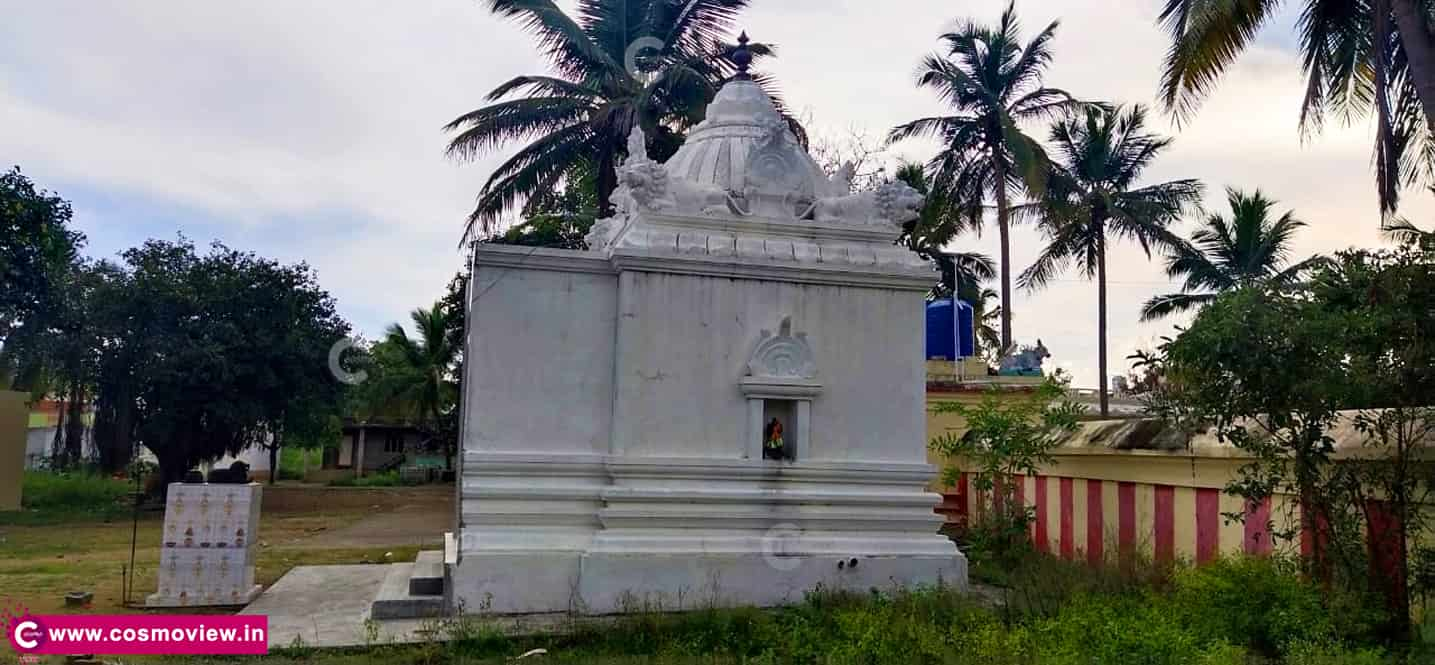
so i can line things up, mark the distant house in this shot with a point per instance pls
(369, 446)
(45, 421)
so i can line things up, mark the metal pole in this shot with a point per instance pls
(135, 522)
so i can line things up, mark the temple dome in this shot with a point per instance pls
(717, 149)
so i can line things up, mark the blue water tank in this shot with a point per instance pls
(966, 330)
(941, 326)
(949, 330)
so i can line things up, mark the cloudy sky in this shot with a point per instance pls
(311, 130)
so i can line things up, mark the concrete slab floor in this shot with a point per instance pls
(328, 606)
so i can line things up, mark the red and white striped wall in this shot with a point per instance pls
(1084, 518)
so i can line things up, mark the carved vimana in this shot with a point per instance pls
(742, 162)
(718, 402)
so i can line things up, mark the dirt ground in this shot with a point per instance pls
(39, 564)
(419, 526)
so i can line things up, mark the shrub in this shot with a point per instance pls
(1119, 629)
(1040, 584)
(1260, 603)
(1328, 653)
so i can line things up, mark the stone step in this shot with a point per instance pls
(427, 578)
(395, 602)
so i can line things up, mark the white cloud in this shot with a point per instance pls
(311, 130)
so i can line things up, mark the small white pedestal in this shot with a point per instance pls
(207, 552)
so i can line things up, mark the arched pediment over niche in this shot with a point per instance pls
(782, 356)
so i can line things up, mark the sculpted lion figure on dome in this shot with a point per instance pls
(687, 197)
(644, 182)
(890, 203)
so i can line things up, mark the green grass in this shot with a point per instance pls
(49, 498)
(40, 563)
(1233, 612)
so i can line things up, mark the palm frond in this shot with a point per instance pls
(1206, 37)
(493, 126)
(536, 167)
(1064, 245)
(564, 42)
(544, 86)
(700, 25)
(1163, 306)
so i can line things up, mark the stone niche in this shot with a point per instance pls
(780, 384)
(617, 398)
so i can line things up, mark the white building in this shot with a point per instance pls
(618, 399)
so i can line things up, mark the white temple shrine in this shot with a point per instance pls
(720, 402)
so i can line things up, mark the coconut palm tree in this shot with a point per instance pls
(992, 82)
(617, 63)
(421, 378)
(1355, 56)
(1092, 197)
(1247, 249)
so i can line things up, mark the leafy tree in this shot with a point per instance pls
(1269, 371)
(1388, 299)
(206, 355)
(71, 352)
(1247, 249)
(454, 304)
(455, 307)
(1355, 56)
(993, 84)
(559, 218)
(1092, 193)
(37, 250)
(617, 64)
